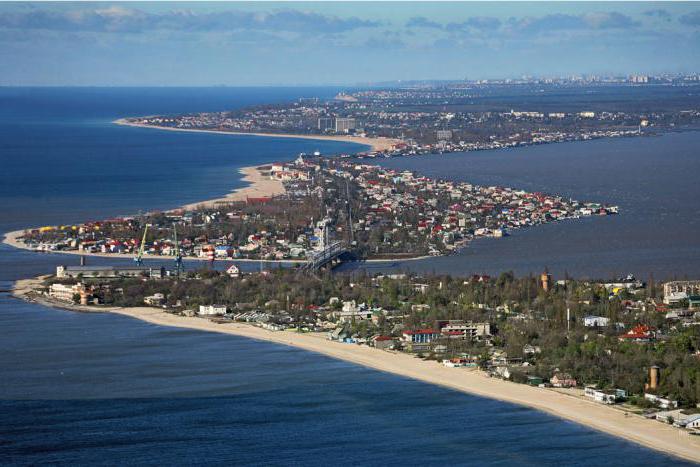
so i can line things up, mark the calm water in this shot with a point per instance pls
(652, 179)
(96, 389)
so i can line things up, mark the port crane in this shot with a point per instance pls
(179, 267)
(139, 256)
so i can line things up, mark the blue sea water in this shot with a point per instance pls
(102, 389)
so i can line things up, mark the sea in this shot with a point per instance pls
(100, 389)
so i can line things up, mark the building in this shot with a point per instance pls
(662, 402)
(676, 291)
(109, 272)
(212, 310)
(465, 330)
(344, 125)
(68, 293)
(653, 378)
(63, 292)
(604, 397)
(325, 123)
(546, 280)
(157, 299)
(691, 421)
(419, 340)
(444, 135)
(233, 271)
(595, 321)
(563, 380)
(383, 342)
(639, 333)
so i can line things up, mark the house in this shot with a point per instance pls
(534, 381)
(157, 299)
(693, 301)
(233, 271)
(465, 330)
(419, 340)
(212, 310)
(420, 336)
(595, 321)
(662, 402)
(604, 397)
(691, 421)
(639, 333)
(563, 380)
(341, 334)
(383, 342)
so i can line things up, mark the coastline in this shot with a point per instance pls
(376, 144)
(648, 433)
(258, 186)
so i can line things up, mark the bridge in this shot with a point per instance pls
(321, 258)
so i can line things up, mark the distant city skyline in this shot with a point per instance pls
(339, 43)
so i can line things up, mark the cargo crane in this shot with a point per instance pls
(139, 256)
(179, 267)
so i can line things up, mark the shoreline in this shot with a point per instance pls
(258, 186)
(378, 144)
(560, 403)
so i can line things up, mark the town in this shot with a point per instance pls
(625, 343)
(375, 213)
(429, 118)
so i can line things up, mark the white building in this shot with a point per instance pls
(662, 402)
(595, 321)
(156, 299)
(676, 291)
(63, 292)
(600, 396)
(344, 125)
(212, 310)
(233, 271)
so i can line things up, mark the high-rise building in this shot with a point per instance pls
(344, 125)
(325, 123)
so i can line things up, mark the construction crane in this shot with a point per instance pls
(139, 255)
(179, 267)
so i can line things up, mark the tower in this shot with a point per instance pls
(653, 378)
(546, 280)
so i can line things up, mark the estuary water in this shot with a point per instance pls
(102, 389)
(652, 179)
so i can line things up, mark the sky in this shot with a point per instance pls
(338, 43)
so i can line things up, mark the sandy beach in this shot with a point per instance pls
(258, 186)
(649, 433)
(377, 144)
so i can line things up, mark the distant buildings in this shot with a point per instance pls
(109, 272)
(444, 135)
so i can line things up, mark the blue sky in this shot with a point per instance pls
(269, 43)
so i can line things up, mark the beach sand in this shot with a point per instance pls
(259, 186)
(649, 433)
(377, 144)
